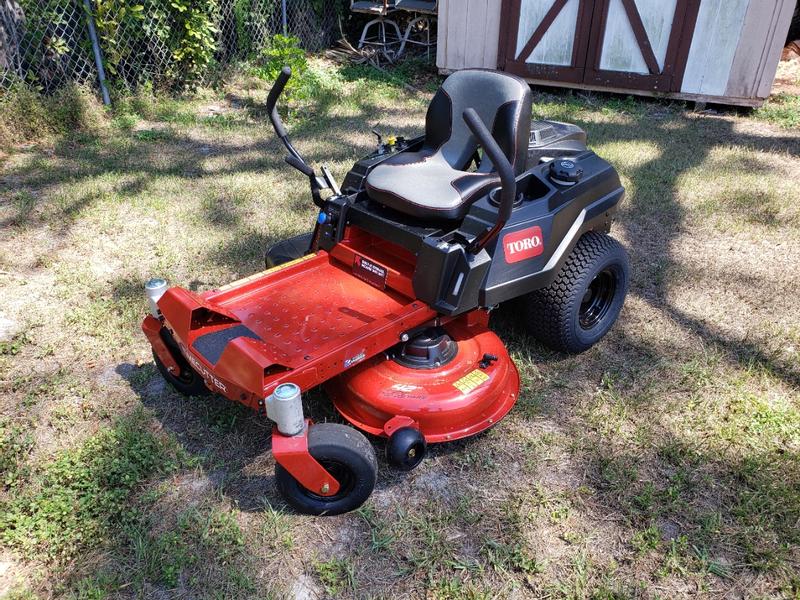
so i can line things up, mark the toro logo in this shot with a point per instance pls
(523, 244)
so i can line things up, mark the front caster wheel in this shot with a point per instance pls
(348, 456)
(583, 302)
(406, 448)
(188, 381)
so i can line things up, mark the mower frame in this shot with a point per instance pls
(385, 276)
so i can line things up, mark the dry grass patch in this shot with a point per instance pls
(661, 464)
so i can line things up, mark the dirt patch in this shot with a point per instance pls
(787, 77)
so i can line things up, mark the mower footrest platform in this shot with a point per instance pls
(303, 322)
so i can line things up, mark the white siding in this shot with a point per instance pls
(716, 36)
(468, 32)
(765, 29)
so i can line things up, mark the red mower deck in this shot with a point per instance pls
(457, 400)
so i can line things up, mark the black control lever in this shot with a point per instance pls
(508, 181)
(274, 117)
(295, 159)
(300, 166)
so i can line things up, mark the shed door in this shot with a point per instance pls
(635, 43)
(551, 39)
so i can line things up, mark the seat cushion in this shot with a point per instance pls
(426, 6)
(425, 186)
(364, 6)
(433, 182)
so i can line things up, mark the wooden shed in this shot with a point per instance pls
(723, 51)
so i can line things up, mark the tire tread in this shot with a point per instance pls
(549, 311)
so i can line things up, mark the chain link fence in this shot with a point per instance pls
(169, 43)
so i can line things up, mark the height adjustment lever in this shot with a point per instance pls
(328, 177)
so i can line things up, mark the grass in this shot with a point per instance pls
(74, 500)
(661, 464)
(784, 109)
(25, 115)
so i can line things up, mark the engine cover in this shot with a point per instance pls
(469, 393)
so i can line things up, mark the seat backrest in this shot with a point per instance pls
(504, 103)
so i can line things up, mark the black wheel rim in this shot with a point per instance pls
(597, 299)
(341, 473)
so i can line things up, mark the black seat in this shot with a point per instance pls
(433, 183)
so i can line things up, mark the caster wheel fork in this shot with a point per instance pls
(343, 459)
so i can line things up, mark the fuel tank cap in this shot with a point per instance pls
(565, 171)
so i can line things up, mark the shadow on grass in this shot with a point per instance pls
(745, 508)
(748, 506)
(141, 157)
(723, 504)
(228, 438)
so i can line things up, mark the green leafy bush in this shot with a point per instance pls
(134, 32)
(250, 18)
(116, 20)
(47, 42)
(194, 51)
(280, 52)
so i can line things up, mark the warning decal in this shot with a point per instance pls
(470, 381)
(371, 272)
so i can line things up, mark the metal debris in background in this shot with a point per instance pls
(344, 51)
(377, 56)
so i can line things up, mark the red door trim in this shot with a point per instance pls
(509, 30)
(642, 38)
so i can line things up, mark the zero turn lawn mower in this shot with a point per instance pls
(386, 304)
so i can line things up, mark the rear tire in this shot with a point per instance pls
(583, 302)
(188, 381)
(347, 455)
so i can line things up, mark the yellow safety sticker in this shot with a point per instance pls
(280, 267)
(470, 381)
